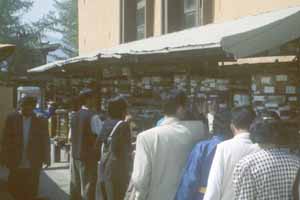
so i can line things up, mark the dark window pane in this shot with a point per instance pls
(140, 18)
(190, 5)
(190, 19)
(190, 13)
(141, 32)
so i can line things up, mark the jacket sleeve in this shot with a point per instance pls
(191, 177)
(46, 141)
(214, 184)
(5, 141)
(141, 175)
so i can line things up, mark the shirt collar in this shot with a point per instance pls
(169, 120)
(83, 107)
(242, 135)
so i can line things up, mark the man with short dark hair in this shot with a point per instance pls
(115, 163)
(161, 152)
(229, 153)
(85, 126)
(270, 172)
(25, 148)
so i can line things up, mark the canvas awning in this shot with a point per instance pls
(6, 50)
(239, 38)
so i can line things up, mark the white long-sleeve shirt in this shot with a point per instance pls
(228, 153)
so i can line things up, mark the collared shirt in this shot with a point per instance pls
(228, 154)
(26, 134)
(161, 154)
(268, 174)
(96, 123)
(160, 121)
(194, 179)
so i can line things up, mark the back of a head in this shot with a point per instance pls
(242, 117)
(172, 102)
(86, 95)
(221, 123)
(117, 108)
(28, 101)
(265, 131)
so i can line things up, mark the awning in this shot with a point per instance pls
(239, 38)
(6, 50)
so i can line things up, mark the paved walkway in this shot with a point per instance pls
(54, 182)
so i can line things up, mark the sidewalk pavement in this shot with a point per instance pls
(54, 181)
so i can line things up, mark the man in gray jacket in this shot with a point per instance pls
(161, 152)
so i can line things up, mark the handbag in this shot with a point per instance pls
(107, 156)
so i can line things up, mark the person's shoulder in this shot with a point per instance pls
(226, 143)
(192, 124)
(251, 158)
(13, 114)
(148, 133)
(290, 157)
(152, 134)
(204, 143)
(40, 118)
(123, 126)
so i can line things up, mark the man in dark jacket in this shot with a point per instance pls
(114, 169)
(25, 148)
(85, 126)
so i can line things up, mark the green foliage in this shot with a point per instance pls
(65, 22)
(11, 28)
(25, 36)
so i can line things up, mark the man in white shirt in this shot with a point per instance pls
(161, 152)
(228, 153)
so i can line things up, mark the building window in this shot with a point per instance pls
(137, 19)
(141, 19)
(191, 12)
(182, 14)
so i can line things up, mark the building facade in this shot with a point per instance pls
(104, 24)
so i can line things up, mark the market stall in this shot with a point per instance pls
(202, 61)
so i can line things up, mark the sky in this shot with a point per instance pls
(38, 10)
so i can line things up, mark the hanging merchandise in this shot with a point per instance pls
(276, 92)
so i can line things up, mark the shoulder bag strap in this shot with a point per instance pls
(111, 134)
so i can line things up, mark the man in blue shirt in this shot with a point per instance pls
(194, 180)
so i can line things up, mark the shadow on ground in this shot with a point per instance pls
(54, 183)
(50, 189)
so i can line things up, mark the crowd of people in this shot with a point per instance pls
(243, 156)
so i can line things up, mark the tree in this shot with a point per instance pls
(26, 37)
(65, 22)
(12, 30)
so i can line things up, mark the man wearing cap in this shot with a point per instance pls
(85, 126)
(25, 148)
(161, 152)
